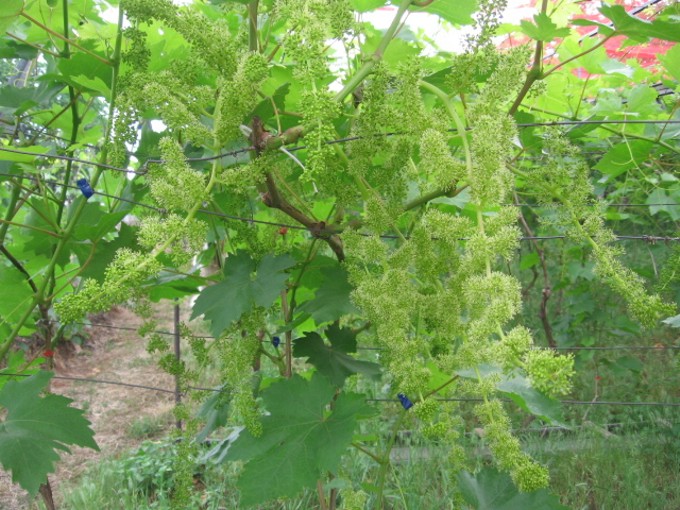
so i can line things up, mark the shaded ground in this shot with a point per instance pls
(120, 415)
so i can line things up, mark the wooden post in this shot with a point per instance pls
(178, 356)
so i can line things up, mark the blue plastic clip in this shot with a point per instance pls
(85, 188)
(405, 402)
(276, 341)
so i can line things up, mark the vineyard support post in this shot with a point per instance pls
(178, 356)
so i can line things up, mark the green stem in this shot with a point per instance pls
(367, 452)
(47, 124)
(427, 197)
(27, 43)
(75, 272)
(367, 190)
(385, 460)
(482, 231)
(451, 110)
(365, 69)
(75, 120)
(441, 387)
(311, 253)
(577, 56)
(30, 227)
(66, 39)
(19, 266)
(253, 43)
(535, 71)
(13, 200)
(114, 82)
(640, 137)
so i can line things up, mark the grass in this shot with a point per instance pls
(618, 473)
(149, 427)
(142, 479)
(633, 471)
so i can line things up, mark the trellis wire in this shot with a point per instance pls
(95, 381)
(207, 211)
(660, 348)
(646, 237)
(71, 159)
(567, 402)
(330, 142)
(377, 400)
(654, 348)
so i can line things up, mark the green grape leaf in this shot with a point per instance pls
(96, 223)
(529, 260)
(239, 291)
(85, 70)
(94, 265)
(531, 400)
(640, 29)
(395, 53)
(95, 84)
(301, 440)
(169, 285)
(438, 378)
(18, 157)
(15, 359)
(673, 322)
(641, 102)
(623, 157)
(334, 360)
(668, 204)
(671, 61)
(457, 13)
(603, 28)
(544, 29)
(366, 5)
(215, 412)
(492, 490)
(12, 49)
(9, 11)
(17, 294)
(35, 427)
(520, 391)
(277, 97)
(332, 299)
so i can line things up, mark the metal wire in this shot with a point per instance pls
(360, 348)
(567, 402)
(96, 381)
(586, 348)
(378, 400)
(127, 328)
(242, 150)
(73, 160)
(648, 238)
(621, 348)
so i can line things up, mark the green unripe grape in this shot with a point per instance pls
(435, 431)
(425, 410)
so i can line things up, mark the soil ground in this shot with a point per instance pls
(111, 355)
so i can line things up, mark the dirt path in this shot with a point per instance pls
(111, 355)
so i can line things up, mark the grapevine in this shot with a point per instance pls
(367, 198)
